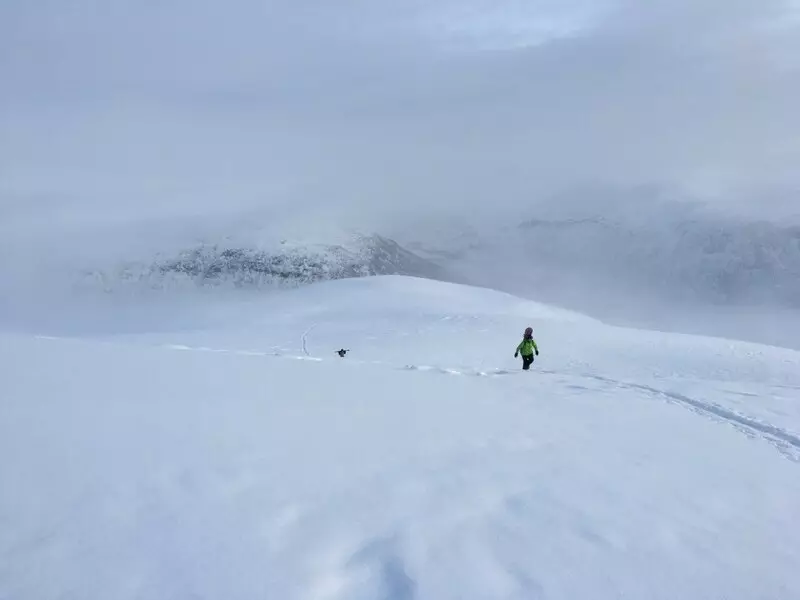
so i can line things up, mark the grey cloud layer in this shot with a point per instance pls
(389, 104)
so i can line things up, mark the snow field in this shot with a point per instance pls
(224, 461)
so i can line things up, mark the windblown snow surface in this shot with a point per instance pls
(232, 454)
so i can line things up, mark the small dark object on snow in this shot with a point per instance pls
(342, 352)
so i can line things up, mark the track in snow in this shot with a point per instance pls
(304, 340)
(786, 442)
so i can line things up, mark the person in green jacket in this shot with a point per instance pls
(527, 347)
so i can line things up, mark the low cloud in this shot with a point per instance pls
(128, 110)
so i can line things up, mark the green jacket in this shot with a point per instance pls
(527, 346)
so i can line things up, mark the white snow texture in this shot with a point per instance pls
(235, 455)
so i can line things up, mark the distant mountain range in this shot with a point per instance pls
(599, 246)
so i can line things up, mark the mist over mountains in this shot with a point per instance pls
(676, 250)
(531, 147)
(678, 265)
(641, 257)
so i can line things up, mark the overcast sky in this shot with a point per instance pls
(184, 106)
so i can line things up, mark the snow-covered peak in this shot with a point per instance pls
(285, 262)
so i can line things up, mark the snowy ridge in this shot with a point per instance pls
(445, 309)
(287, 265)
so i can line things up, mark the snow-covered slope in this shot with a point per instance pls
(64, 281)
(236, 455)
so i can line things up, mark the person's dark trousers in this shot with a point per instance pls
(527, 361)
